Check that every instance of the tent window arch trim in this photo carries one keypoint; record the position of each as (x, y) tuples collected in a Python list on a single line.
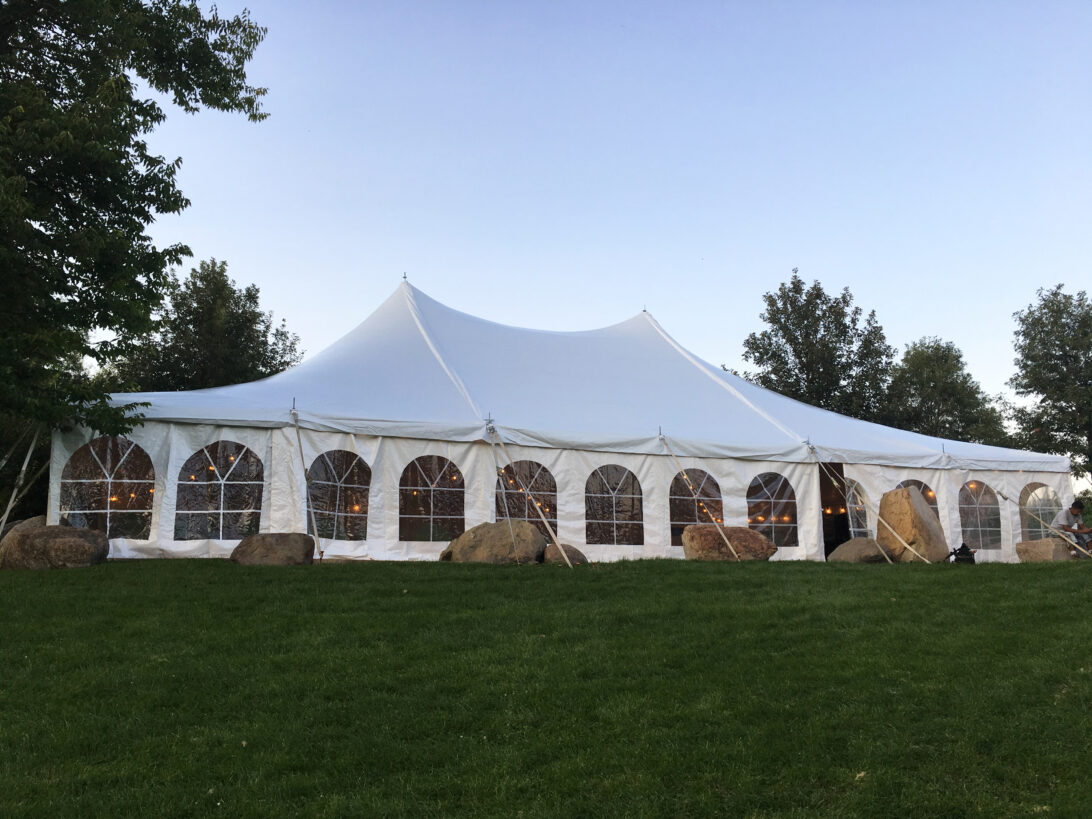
[(108, 485), (219, 493), (431, 500), (338, 488), (613, 508)]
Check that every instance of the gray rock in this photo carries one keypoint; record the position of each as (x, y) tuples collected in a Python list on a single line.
[(33, 545), (275, 549), (553, 555), (1047, 550), (498, 543), (703, 542), (910, 515), (858, 550)]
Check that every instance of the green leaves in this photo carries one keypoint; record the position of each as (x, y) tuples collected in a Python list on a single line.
[(1053, 343), (818, 350), (931, 392), (78, 186), (210, 333)]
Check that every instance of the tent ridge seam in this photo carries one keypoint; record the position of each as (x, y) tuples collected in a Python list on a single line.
[(451, 374), (720, 382)]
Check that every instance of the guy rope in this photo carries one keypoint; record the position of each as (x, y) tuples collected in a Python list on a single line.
[(1050, 526), (839, 484), (306, 480), (698, 501), (492, 430)]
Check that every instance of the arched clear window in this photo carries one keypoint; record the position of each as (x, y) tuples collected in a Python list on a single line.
[(219, 493), (521, 487), (613, 512), (927, 493), (857, 510), (1038, 506), (338, 495), (109, 485), (684, 509), (771, 508), (430, 500), (979, 516)]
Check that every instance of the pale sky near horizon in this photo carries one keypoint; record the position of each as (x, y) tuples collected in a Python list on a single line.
[(562, 165)]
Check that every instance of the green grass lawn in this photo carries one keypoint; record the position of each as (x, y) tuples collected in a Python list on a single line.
[(664, 688)]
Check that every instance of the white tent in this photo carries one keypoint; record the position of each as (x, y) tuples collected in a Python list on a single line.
[(417, 378)]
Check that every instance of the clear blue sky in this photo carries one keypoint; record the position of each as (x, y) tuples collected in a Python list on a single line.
[(565, 164)]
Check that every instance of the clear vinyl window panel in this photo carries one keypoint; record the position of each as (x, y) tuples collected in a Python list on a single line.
[(523, 489), (1039, 504), (684, 509), (337, 495), (857, 510), (771, 508), (219, 493), (431, 500), (979, 516), (109, 484), (613, 507)]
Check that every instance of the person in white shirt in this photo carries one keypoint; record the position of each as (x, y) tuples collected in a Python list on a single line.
[(1071, 522)]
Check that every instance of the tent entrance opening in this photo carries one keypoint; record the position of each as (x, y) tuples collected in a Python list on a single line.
[(835, 511)]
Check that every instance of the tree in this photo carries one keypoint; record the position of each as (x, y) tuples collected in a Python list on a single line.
[(1053, 343), (209, 333), (78, 185), (818, 351), (931, 392)]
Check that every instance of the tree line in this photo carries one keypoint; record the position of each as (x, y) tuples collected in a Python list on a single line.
[(822, 350)]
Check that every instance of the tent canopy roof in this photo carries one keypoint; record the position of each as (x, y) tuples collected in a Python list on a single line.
[(416, 368)]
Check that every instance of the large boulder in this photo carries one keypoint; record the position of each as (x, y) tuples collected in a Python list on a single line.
[(908, 513), (519, 542), (1047, 550), (275, 549), (858, 550), (702, 542), (33, 545), (553, 555), (11, 524)]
